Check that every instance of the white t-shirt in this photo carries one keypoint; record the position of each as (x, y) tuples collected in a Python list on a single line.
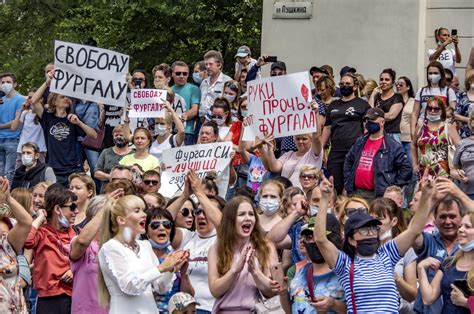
[(447, 58), (31, 132), (292, 164), (157, 149), (429, 92), (223, 131), (198, 247)]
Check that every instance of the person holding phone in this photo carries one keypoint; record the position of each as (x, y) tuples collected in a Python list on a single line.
[(239, 262), (447, 57), (458, 266)]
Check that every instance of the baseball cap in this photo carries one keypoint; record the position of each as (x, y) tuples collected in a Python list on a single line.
[(278, 65), (374, 113), (347, 69), (243, 51), (179, 301), (358, 220), (332, 225), (315, 69)]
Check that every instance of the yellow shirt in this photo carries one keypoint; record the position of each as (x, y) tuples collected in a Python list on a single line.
[(149, 163)]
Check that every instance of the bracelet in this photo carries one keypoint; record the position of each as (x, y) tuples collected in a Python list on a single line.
[(4, 209)]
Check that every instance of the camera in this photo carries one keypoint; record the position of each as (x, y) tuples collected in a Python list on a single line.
[(137, 83), (2, 93)]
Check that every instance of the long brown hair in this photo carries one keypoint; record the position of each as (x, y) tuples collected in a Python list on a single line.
[(226, 235), (383, 207)]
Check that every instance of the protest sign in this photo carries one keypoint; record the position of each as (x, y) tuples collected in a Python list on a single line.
[(202, 158), (90, 73), (147, 103), (279, 106)]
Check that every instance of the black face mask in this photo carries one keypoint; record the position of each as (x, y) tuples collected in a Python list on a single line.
[(314, 253), (346, 90), (120, 142), (367, 247)]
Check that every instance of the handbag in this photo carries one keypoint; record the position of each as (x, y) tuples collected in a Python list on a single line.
[(94, 143), (268, 306)]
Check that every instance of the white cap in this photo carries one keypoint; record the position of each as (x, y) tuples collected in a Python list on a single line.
[(179, 301)]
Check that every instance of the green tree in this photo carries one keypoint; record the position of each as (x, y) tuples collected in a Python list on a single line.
[(151, 32)]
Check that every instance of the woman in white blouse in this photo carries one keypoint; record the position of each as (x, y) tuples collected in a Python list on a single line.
[(128, 267)]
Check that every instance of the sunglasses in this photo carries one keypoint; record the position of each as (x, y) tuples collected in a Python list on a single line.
[(151, 182), (198, 211), (352, 211), (156, 224), (217, 117), (434, 109), (365, 231), (71, 207), (181, 73), (399, 84), (186, 211), (307, 176)]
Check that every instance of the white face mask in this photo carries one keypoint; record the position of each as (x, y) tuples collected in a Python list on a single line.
[(229, 97), (219, 121), (472, 86), (160, 129), (313, 210), (63, 222), (468, 247), (433, 118), (434, 78), (269, 206), (7, 88), (27, 160), (386, 235)]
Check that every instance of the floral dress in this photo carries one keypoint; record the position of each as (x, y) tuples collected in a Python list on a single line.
[(433, 151), (11, 298)]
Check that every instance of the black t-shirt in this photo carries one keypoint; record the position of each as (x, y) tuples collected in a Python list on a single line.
[(394, 125), (345, 119), (61, 140)]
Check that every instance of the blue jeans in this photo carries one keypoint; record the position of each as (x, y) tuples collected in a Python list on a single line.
[(8, 147)]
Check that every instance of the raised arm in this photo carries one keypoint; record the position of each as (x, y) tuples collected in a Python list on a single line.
[(279, 233), (316, 145), (211, 210), (177, 122), (327, 248), (269, 161), (440, 49), (430, 291), (456, 48), (80, 243), (16, 123), (87, 129)]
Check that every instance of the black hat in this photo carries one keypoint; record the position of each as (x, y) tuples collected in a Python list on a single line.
[(359, 220), (316, 69), (346, 69), (278, 65), (374, 113)]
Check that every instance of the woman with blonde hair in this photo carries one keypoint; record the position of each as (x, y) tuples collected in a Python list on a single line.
[(84, 187), (24, 197), (366, 91), (460, 266), (309, 177), (270, 204), (239, 263), (351, 206), (129, 267)]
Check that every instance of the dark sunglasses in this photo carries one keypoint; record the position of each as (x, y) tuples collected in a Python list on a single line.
[(434, 109), (352, 211), (217, 117), (71, 207), (156, 224), (181, 73), (186, 211), (198, 211), (307, 176), (152, 182)]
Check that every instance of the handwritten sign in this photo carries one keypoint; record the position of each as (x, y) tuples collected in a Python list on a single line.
[(147, 103), (201, 158), (279, 106), (90, 73)]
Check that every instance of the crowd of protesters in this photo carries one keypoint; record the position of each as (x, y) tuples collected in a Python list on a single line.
[(371, 212)]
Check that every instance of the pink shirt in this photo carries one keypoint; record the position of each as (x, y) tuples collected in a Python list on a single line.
[(292, 164)]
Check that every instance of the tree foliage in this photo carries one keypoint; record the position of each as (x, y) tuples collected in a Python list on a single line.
[(151, 32)]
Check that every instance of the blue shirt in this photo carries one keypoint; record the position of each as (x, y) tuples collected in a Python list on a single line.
[(294, 233), (374, 280), (8, 110), (191, 95)]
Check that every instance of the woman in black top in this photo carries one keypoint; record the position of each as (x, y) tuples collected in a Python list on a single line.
[(343, 126), (385, 98)]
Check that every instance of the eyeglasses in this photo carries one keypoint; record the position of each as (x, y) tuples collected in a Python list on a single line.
[(156, 224), (198, 211), (151, 182), (72, 207), (307, 176), (365, 231), (399, 84), (181, 73), (217, 117), (433, 109), (351, 211), (186, 211)]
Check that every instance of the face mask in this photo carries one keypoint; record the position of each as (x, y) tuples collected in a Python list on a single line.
[(7, 88), (27, 160), (244, 113), (160, 129), (372, 127), (159, 246), (472, 86), (197, 78), (127, 234), (313, 210), (269, 206), (314, 253), (367, 247), (468, 247), (219, 121), (433, 118), (120, 142), (229, 97), (386, 235), (63, 222), (434, 78), (346, 90)]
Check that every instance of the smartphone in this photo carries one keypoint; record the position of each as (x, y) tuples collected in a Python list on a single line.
[(461, 284), (454, 32), (271, 59), (278, 275)]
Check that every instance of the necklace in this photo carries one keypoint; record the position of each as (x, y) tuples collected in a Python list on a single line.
[(135, 249)]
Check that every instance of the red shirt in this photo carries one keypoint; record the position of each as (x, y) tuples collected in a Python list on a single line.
[(236, 128), (364, 177), (51, 258)]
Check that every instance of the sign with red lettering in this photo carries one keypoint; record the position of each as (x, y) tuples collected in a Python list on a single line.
[(279, 106), (202, 158), (147, 103)]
